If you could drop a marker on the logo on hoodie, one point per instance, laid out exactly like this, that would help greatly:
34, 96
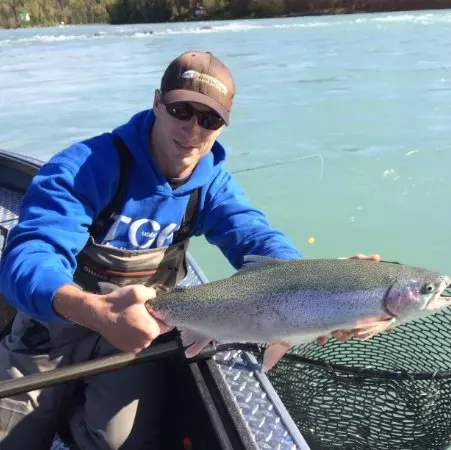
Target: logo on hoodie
140, 233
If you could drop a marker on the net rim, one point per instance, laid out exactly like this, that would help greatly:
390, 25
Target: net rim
359, 372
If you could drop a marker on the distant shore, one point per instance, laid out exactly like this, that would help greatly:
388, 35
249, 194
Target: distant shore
121, 12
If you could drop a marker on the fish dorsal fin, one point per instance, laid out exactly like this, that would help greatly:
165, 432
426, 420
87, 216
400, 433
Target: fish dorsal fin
255, 262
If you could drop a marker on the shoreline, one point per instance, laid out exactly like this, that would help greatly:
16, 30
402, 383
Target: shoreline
219, 18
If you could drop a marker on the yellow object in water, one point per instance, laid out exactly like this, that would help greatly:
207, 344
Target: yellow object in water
311, 240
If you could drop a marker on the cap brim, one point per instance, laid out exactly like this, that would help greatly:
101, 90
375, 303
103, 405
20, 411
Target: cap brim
183, 95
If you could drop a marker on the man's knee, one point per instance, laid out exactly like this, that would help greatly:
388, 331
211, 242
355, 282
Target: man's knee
114, 435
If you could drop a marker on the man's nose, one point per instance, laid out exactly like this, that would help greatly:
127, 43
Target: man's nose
191, 125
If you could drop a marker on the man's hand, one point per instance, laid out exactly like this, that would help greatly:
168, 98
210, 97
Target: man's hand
374, 257
125, 322
344, 335
120, 316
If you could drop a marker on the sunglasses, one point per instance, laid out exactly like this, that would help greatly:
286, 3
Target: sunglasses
206, 119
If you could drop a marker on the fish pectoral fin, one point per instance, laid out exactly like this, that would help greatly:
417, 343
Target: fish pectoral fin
273, 354
193, 342
369, 331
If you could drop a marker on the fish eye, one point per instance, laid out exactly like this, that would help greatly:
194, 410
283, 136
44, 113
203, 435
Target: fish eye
428, 288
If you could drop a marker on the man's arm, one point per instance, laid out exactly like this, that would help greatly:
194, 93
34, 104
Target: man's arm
56, 211
231, 222
37, 267
238, 229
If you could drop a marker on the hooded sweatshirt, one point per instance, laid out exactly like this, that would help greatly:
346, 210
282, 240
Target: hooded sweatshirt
76, 184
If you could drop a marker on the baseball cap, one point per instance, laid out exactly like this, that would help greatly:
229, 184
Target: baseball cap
199, 77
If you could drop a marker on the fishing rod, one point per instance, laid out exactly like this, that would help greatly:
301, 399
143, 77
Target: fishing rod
109, 363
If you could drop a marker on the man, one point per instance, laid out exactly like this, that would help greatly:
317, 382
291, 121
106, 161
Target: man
119, 209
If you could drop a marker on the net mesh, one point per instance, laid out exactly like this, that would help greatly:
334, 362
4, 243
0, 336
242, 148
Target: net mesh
390, 392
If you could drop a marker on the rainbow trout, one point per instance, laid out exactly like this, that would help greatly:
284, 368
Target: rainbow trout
287, 302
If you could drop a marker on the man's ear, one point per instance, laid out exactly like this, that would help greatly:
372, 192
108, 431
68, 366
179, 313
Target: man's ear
156, 100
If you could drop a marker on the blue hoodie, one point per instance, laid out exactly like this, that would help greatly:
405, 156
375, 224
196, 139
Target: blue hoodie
74, 186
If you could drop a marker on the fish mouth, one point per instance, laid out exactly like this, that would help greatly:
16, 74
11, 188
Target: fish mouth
442, 298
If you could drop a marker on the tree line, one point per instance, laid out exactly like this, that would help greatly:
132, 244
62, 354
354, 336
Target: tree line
17, 13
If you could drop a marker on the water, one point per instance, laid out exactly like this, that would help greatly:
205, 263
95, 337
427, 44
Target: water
370, 94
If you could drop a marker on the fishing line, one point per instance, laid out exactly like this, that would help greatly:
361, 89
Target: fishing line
280, 163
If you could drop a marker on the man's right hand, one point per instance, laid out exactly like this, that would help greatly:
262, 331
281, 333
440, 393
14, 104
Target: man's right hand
120, 316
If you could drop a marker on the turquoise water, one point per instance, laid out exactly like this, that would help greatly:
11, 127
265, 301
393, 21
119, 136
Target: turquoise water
368, 95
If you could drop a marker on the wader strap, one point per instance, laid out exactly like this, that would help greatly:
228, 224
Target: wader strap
125, 160
189, 218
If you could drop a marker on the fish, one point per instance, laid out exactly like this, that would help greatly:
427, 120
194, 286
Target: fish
282, 303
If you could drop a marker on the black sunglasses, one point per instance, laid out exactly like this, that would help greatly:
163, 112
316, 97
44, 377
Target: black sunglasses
209, 120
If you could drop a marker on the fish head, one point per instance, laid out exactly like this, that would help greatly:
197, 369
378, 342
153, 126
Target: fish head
417, 293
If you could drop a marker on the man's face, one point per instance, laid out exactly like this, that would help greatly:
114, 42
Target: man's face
178, 141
